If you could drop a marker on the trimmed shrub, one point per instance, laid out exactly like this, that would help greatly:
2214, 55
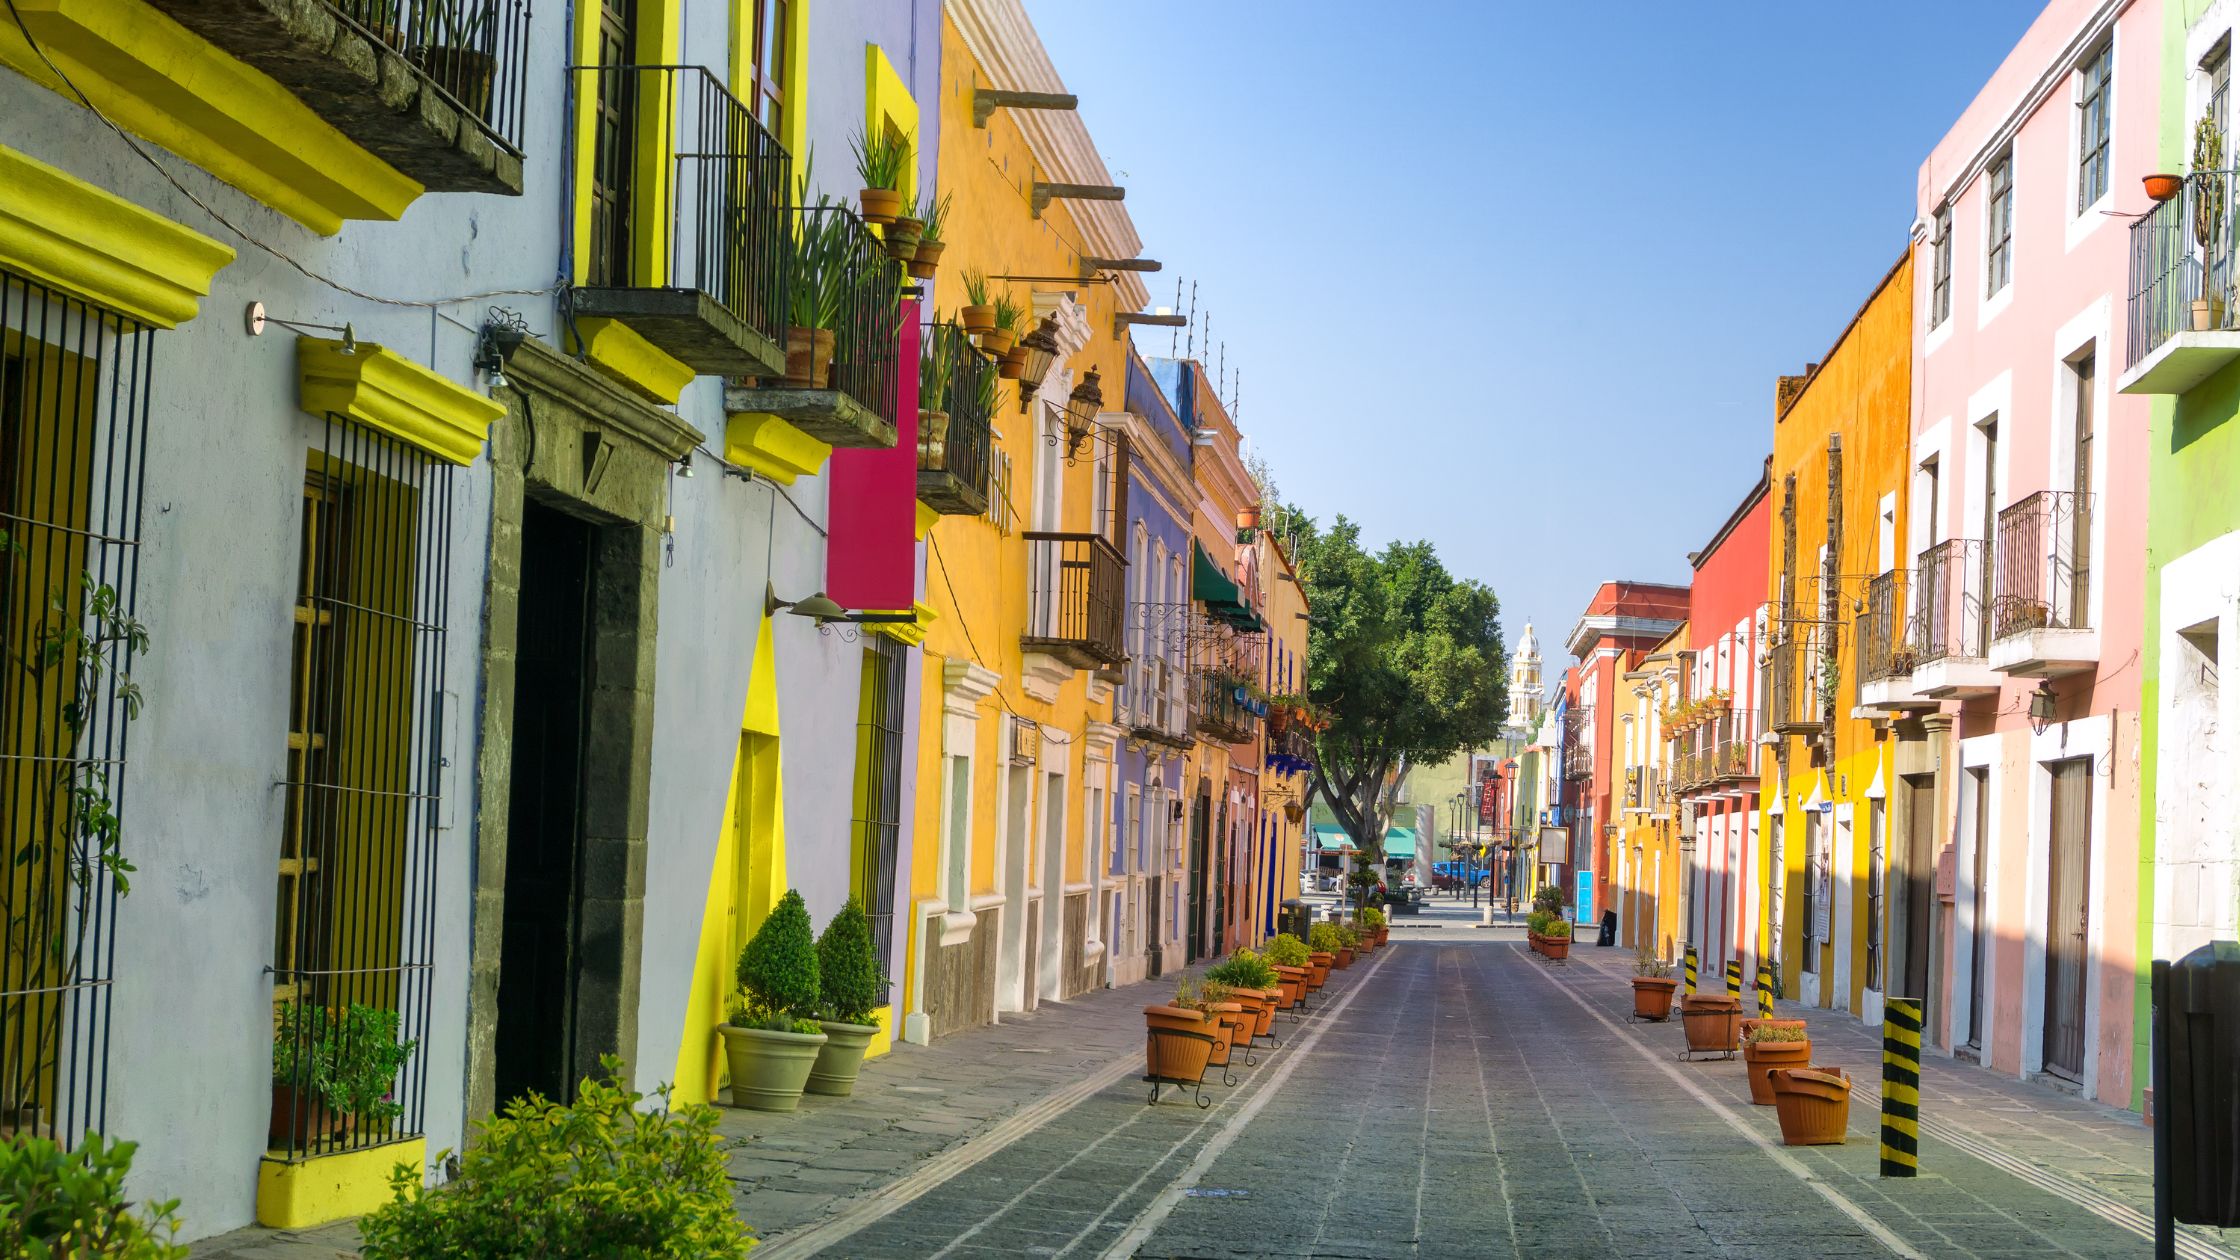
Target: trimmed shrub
597, 1179
1370, 917
778, 968
850, 981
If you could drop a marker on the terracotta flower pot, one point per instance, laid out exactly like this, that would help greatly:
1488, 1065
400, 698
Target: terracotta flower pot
1652, 997
1713, 1021
1813, 1105
840, 1059
929, 254
1345, 957
1759, 1058
301, 1117
1260, 1006
1294, 981
933, 439
880, 205
808, 358
1320, 962
901, 238
1233, 1022
1384, 934
1013, 365
1557, 948
976, 319
769, 1069
998, 340
1176, 1058
2163, 187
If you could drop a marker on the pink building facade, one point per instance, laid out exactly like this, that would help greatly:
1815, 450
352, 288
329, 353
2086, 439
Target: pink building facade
2027, 527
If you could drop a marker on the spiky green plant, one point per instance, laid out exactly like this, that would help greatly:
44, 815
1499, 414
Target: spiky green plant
881, 157
934, 213
1008, 313
936, 363
975, 287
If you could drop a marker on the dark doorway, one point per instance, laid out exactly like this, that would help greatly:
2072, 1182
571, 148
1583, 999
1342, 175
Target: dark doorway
1920, 889
539, 966
1201, 815
1157, 938
1979, 812
2070, 848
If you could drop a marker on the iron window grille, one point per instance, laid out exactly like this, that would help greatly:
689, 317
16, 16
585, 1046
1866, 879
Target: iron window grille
1998, 251
2045, 571
878, 791
2092, 127
75, 386
355, 923
475, 51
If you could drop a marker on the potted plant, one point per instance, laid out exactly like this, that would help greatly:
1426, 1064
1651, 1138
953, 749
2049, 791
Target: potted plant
2163, 187
815, 298
1813, 1105
1348, 944
978, 314
1222, 1008
1253, 981
881, 158
901, 237
1652, 986
1373, 923
933, 216
771, 1042
1011, 365
936, 363
1322, 945
1005, 334
459, 61
2208, 216
1556, 944
1179, 1040
331, 1074
1768, 1045
1288, 955
1712, 1021
850, 986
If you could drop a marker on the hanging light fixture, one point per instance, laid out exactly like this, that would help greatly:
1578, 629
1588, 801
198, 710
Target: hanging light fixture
1041, 347
1082, 407
2041, 707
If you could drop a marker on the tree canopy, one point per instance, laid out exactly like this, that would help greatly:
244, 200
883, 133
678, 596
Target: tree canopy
1404, 658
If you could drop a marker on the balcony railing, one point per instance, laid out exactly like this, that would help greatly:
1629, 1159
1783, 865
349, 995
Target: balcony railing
2182, 275
846, 293
1885, 650
1161, 711
2045, 570
1075, 590
953, 464
1578, 742
435, 88
1219, 707
1948, 601
697, 263
1790, 704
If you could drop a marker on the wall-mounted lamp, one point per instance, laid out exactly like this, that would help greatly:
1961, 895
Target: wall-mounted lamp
822, 609
503, 331
2041, 707
1081, 413
1041, 347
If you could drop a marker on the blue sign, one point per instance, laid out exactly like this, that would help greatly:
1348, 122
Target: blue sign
1586, 898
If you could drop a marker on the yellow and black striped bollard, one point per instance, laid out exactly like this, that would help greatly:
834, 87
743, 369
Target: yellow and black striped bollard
1765, 991
1901, 1087
1688, 968
1734, 977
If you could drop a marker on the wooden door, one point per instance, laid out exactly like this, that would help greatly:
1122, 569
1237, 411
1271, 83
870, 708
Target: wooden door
1979, 791
2068, 870
614, 144
1920, 885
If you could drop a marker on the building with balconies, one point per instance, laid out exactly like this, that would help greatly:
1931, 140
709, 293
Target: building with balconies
1650, 870
2050, 296
1621, 624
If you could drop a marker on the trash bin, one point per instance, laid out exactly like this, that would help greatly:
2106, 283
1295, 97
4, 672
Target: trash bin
2198, 1018
1609, 933
1294, 918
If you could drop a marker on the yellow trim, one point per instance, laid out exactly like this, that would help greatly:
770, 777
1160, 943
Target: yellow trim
617, 350
658, 41
60, 230
164, 83
883, 1041
331, 1187
928, 517
772, 447
887, 101
395, 395
908, 633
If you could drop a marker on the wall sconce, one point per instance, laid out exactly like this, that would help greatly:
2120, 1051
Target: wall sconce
503, 331
1081, 413
2041, 708
1041, 346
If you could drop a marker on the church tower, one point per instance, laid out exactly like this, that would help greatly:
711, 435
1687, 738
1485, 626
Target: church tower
1526, 692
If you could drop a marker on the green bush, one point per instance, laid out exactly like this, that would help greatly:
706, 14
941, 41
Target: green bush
1244, 970
1347, 936
601, 1178
1773, 1032
1538, 921
1286, 950
850, 981
1323, 938
778, 968
1557, 929
1371, 917
349, 1062
58, 1203
1547, 899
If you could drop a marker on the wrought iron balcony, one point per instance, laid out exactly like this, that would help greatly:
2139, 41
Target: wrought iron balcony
688, 245
435, 88
1075, 591
953, 462
1161, 711
1218, 710
1888, 649
2183, 321
1578, 742
844, 336
1790, 704
1951, 632
2041, 620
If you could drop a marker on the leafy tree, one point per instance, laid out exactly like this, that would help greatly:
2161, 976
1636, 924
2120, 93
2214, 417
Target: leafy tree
1404, 658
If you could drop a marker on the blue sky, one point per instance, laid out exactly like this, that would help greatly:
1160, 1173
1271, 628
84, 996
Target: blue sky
1470, 260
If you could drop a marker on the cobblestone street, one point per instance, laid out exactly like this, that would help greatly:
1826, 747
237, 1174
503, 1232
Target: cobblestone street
1449, 1096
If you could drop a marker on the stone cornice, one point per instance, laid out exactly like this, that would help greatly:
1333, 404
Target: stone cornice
966, 682
59, 230
544, 370
1003, 39
384, 390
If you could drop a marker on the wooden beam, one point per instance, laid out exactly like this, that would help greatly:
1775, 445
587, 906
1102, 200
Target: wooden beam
1044, 194
986, 101
1091, 266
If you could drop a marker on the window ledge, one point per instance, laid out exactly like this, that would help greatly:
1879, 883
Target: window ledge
635, 363
395, 395
772, 447
61, 231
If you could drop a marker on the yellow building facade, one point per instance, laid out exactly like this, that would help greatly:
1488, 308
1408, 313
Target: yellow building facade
1650, 871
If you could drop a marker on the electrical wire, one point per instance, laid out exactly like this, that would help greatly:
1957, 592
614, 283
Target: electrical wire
933, 546
228, 224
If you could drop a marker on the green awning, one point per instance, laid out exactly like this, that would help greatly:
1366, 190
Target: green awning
1332, 840
1400, 842
1220, 595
